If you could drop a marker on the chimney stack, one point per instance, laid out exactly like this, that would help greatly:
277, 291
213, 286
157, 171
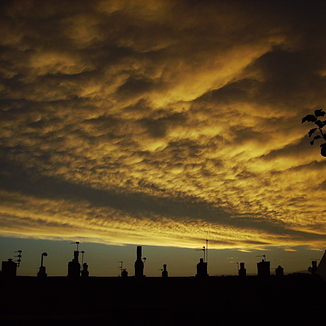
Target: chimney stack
164, 271
242, 271
139, 265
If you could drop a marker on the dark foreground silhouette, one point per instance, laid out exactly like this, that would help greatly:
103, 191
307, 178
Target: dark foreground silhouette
293, 299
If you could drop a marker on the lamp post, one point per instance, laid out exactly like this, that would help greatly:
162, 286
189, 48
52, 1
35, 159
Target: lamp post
43, 254
42, 271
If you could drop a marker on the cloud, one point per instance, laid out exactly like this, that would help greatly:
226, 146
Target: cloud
163, 120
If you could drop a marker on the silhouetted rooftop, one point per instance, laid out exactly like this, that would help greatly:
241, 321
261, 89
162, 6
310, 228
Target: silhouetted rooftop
164, 301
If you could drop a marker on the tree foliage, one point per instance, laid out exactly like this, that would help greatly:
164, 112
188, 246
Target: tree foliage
320, 124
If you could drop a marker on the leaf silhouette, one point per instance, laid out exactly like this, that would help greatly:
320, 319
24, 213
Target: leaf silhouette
319, 123
311, 131
316, 137
323, 149
309, 118
319, 113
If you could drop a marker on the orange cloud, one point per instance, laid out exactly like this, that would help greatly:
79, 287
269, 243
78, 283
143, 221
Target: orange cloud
161, 121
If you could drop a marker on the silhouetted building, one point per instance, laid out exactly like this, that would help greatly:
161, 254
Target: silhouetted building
242, 271
9, 268
124, 273
201, 269
164, 271
74, 266
85, 272
279, 271
313, 268
139, 264
321, 270
264, 268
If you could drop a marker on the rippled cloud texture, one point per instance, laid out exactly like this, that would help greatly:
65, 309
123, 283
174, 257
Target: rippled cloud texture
163, 122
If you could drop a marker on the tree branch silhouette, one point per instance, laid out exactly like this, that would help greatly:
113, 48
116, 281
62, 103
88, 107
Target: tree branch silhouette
320, 124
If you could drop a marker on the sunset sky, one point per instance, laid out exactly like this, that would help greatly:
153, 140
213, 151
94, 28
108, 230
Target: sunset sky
162, 124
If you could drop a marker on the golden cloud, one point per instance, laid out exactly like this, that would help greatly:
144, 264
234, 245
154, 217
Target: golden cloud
160, 121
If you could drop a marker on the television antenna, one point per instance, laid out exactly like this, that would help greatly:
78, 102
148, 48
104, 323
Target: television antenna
18, 261
121, 266
76, 243
205, 250
82, 252
264, 257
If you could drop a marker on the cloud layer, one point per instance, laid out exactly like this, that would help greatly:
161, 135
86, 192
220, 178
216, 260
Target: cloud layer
162, 122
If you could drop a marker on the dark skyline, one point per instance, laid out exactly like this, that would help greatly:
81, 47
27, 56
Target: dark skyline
105, 261
162, 124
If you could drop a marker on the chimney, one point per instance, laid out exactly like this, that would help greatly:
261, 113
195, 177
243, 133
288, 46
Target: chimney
242, 271
139, 265
263, 268
164, 272
139, 252
74, 267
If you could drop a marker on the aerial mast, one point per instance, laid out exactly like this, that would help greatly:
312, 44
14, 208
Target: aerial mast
18, 261
77, 244
82, 252
206, 251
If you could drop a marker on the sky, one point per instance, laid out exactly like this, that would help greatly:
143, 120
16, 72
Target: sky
161, 124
